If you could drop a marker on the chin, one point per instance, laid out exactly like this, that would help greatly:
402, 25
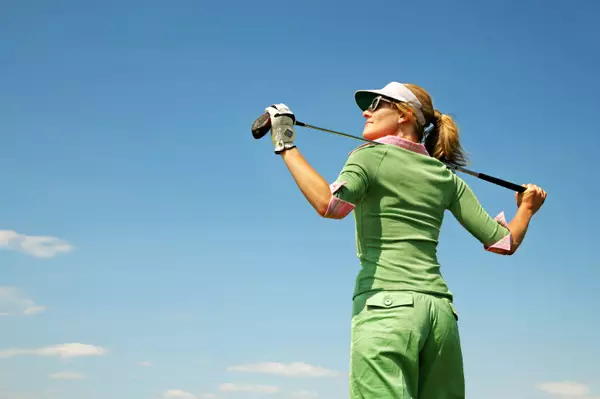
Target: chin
373, 135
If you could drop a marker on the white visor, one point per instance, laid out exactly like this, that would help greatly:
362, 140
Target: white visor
394, 91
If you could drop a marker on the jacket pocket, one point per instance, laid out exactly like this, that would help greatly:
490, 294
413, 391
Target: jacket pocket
389, 300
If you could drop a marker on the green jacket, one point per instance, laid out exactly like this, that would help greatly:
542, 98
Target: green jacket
399, 195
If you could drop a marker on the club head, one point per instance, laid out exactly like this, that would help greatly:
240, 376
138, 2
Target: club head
261, 126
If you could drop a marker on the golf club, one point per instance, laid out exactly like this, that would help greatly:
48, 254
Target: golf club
262, 125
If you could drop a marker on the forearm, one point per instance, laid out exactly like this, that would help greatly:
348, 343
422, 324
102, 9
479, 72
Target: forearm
312, 185
518, 227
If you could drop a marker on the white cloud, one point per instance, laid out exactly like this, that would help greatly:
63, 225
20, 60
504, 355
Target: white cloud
145, 364
254, 388
14, 302
66, 375
305, 395
297, 369
63, 351
30, 395
34, 310
37, 246
179, 394
565, 388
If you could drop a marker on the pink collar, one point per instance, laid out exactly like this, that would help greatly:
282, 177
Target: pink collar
400, 142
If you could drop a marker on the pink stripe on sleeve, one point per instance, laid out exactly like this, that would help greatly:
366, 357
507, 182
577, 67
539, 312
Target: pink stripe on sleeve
504, 245
338, 208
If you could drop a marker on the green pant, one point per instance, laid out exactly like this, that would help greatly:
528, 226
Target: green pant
405, 345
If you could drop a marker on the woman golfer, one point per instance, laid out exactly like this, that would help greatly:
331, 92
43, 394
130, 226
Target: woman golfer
404, 340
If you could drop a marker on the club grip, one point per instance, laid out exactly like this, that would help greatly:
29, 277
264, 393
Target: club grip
261, 126
502, 183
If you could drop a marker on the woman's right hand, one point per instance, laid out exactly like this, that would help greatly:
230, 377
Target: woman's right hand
531, 199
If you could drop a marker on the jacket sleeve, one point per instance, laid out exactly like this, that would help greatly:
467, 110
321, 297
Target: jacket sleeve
493, 233
353, 182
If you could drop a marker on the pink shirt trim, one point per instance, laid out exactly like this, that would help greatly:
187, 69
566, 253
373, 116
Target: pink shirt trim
504, 245
338, 208
400, 142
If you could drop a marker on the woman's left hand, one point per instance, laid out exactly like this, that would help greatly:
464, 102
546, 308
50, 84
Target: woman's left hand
282, 127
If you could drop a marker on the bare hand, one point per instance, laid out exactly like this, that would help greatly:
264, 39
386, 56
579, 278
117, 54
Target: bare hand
531, 199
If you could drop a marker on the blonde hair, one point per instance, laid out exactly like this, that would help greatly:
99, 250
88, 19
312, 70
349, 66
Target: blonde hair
442, 141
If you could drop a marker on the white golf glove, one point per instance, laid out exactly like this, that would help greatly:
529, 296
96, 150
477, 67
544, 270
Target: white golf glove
282, 127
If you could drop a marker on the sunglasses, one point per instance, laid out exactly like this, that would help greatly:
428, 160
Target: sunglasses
377, 102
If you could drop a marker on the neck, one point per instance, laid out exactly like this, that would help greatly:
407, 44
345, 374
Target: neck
408, 136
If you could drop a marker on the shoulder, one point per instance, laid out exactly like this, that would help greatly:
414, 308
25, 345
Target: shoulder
459, 186
368, 156
368, 151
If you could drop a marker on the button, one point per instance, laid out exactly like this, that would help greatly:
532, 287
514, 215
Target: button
387, 301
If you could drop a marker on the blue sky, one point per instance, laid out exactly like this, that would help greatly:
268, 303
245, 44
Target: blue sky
151, 248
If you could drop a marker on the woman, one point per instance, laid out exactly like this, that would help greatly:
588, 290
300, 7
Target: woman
404, 341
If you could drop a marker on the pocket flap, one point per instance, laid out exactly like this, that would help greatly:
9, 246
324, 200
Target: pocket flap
453, 308
390, 299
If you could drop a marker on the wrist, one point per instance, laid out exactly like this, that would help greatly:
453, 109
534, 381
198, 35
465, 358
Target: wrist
525, 212
281, 149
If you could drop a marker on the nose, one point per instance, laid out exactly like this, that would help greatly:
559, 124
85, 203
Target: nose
367, 114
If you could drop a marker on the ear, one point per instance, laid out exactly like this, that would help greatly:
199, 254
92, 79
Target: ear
405, 117
402, 119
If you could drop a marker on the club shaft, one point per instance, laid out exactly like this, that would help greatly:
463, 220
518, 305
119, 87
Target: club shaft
488, 178
334, 132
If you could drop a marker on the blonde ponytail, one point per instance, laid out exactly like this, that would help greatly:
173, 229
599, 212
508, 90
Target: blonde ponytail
442, 141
